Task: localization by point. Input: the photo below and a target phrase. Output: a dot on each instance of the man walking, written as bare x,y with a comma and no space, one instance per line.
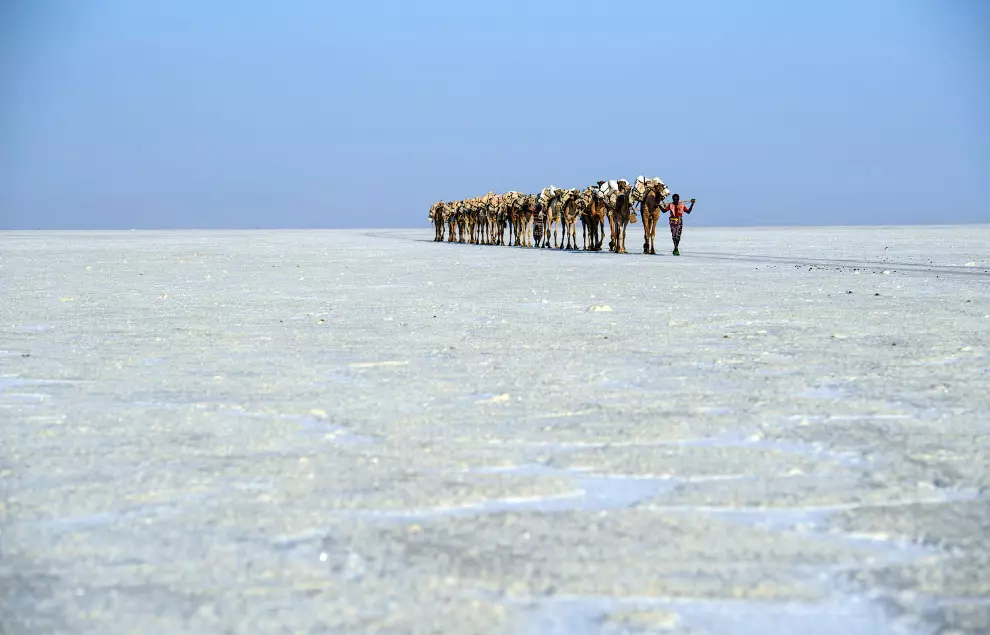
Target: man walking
677,211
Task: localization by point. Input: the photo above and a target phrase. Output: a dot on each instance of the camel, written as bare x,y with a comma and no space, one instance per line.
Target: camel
606,194
549,204
483,208
498,220
464,223
473,218
650,193
511,209
496,204
487,211
436,217
569,203
593,218
620,213
524,220
504,220
508,206
529,212
450,217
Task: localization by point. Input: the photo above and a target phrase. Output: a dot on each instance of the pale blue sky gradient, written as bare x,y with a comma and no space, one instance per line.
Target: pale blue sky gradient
186,113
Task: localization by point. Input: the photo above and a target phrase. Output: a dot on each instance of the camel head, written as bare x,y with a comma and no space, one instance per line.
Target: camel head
580,200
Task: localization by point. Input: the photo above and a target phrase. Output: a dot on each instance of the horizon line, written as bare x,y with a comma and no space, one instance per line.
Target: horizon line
429,226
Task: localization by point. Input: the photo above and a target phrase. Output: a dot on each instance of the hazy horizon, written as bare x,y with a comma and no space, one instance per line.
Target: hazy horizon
183,115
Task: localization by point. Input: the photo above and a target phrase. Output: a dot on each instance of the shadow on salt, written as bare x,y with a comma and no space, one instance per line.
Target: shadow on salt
827,391
8,383
330,431
729,440
812,522
34,328
70,524
594,492
570,615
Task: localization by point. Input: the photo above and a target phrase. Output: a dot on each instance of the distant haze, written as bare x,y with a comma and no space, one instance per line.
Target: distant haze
125,114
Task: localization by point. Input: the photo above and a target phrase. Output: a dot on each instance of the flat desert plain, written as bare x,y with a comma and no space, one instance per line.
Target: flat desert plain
782,431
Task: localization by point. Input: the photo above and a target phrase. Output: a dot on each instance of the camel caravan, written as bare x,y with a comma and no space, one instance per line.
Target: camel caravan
549,219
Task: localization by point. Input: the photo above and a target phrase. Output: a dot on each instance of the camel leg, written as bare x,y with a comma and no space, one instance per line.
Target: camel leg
653,236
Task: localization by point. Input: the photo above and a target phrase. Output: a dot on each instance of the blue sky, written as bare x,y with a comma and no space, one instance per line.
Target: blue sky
184,113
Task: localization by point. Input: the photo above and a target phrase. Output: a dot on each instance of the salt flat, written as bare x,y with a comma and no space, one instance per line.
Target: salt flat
781,431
